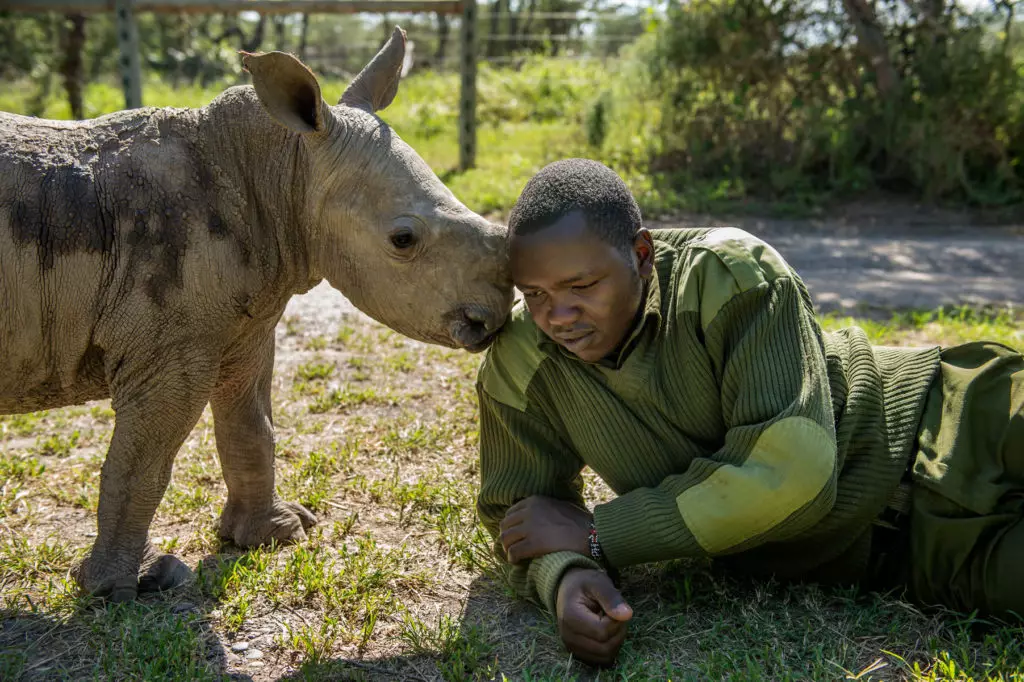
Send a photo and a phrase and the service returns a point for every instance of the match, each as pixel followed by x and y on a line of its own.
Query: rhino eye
pixel 403 239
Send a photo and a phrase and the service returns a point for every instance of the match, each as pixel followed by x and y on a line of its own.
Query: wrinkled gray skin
pixel 146 256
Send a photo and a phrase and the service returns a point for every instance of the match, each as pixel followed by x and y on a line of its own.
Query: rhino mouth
pixel 474 329
pixel 483 344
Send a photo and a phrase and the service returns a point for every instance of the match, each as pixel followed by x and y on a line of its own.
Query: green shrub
pixel 775 97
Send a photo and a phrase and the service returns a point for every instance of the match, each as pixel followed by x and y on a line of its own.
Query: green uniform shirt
pixel 729 426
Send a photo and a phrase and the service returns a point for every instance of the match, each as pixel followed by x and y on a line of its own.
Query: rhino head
pixel 382 227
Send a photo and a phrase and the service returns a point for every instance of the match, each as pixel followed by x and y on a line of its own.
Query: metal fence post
pixel 467 98
pixel 128 42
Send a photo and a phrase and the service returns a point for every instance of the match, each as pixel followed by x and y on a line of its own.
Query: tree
pixel 73 40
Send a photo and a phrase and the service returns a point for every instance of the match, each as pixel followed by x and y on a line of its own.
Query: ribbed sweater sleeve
pixel 775 474
pixel 521 455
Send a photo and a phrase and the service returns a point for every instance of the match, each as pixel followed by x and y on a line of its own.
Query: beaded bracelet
pixel 595 546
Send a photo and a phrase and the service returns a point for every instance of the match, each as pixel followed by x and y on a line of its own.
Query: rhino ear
pixel 376 85
pixel 288 90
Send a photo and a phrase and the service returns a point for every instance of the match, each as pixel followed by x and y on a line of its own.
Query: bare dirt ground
pixel 895 256
pixel 377 434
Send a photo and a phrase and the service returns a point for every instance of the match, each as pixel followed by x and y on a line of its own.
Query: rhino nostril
pixel 476 316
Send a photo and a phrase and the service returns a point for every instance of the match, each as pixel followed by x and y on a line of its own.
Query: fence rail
pixel 230 6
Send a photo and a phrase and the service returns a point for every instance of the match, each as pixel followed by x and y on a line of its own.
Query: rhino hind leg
pixel 244 430
pixel 156 408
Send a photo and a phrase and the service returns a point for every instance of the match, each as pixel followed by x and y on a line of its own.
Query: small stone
pixel 184 607
pixel 253 653
pixel 239 646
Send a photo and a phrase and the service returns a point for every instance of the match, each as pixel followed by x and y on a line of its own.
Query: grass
pixel 527 117
pixel 397 580
pixel 378 435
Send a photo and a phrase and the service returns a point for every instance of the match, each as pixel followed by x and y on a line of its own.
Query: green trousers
pixel 966 531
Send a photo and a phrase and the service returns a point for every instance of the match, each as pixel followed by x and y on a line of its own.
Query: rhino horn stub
pixel 287 89
pixel 376 85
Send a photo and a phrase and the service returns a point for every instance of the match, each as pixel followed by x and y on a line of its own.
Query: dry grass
pixel 377 434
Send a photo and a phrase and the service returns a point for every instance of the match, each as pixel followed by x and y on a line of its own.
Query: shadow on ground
pixel 692 625
pixel 494 634
pixel 688 624
pixel 159 636
pixel 164 643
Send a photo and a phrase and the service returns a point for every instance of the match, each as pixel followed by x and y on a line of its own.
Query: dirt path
pixel 895 257
pixel 870 259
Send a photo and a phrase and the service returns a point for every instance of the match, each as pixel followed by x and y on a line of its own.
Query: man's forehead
pixel 570 226
pixel 545 260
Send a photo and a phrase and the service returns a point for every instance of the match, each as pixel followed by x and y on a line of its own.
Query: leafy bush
pixel 777 98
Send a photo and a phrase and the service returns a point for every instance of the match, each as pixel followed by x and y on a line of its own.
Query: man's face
pixel 581 291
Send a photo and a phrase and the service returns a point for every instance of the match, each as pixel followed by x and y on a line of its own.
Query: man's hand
pixel 541 525
pixel 592 616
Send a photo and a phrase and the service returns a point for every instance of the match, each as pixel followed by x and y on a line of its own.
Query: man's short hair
pixel 578 185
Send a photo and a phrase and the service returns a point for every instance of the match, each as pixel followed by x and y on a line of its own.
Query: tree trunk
pixel 280 40
pixel 253 44
pixel 442 40
pixel 303 35
pixel 513 28
pixel 871 42
pixel 931 28
pixel 71 67
pixel 497 9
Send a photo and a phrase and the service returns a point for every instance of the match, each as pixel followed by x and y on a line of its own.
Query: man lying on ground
pixel 686 369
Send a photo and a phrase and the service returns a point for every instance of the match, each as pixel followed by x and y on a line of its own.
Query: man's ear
pixel 287 89
pixel 643 249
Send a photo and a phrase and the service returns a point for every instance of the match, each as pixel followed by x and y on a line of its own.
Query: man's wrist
pixel 594 544
pixel 598 555
pixel 551 570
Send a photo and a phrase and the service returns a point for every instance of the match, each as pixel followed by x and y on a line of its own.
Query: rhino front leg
pixel 244 429
pixel 156 406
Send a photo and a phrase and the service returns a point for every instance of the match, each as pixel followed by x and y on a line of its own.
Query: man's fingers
pixel 520 551
pixel 594 626
pixel 524 549
pixel 512 552
pixel 512 519
pixel 589 651
pixel 610 599
pixel 510 536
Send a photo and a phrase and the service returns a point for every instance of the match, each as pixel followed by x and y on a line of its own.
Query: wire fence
pixel 503 38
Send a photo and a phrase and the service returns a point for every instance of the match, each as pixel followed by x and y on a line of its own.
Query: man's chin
pixel 586 348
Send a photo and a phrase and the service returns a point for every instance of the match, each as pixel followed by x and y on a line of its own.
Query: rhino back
pixel 101 225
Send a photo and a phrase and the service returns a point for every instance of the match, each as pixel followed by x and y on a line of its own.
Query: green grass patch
pixel 944 326
pixel 398 580
pixel 527 117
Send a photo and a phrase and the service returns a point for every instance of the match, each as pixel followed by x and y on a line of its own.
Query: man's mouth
pixel 575 341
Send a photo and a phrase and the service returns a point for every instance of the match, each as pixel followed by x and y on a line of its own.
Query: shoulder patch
pixel 750 259
pixel 725 262
pixel 512 361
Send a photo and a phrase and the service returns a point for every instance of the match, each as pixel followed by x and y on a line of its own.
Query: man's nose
pixel 563 314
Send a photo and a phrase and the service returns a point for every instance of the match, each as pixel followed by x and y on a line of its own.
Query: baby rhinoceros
pixel 146 256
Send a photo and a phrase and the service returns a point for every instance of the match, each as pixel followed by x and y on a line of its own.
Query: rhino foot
pixel 283 521
pixel 121 576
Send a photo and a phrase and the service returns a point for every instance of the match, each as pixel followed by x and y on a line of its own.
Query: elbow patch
pixel 792 461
